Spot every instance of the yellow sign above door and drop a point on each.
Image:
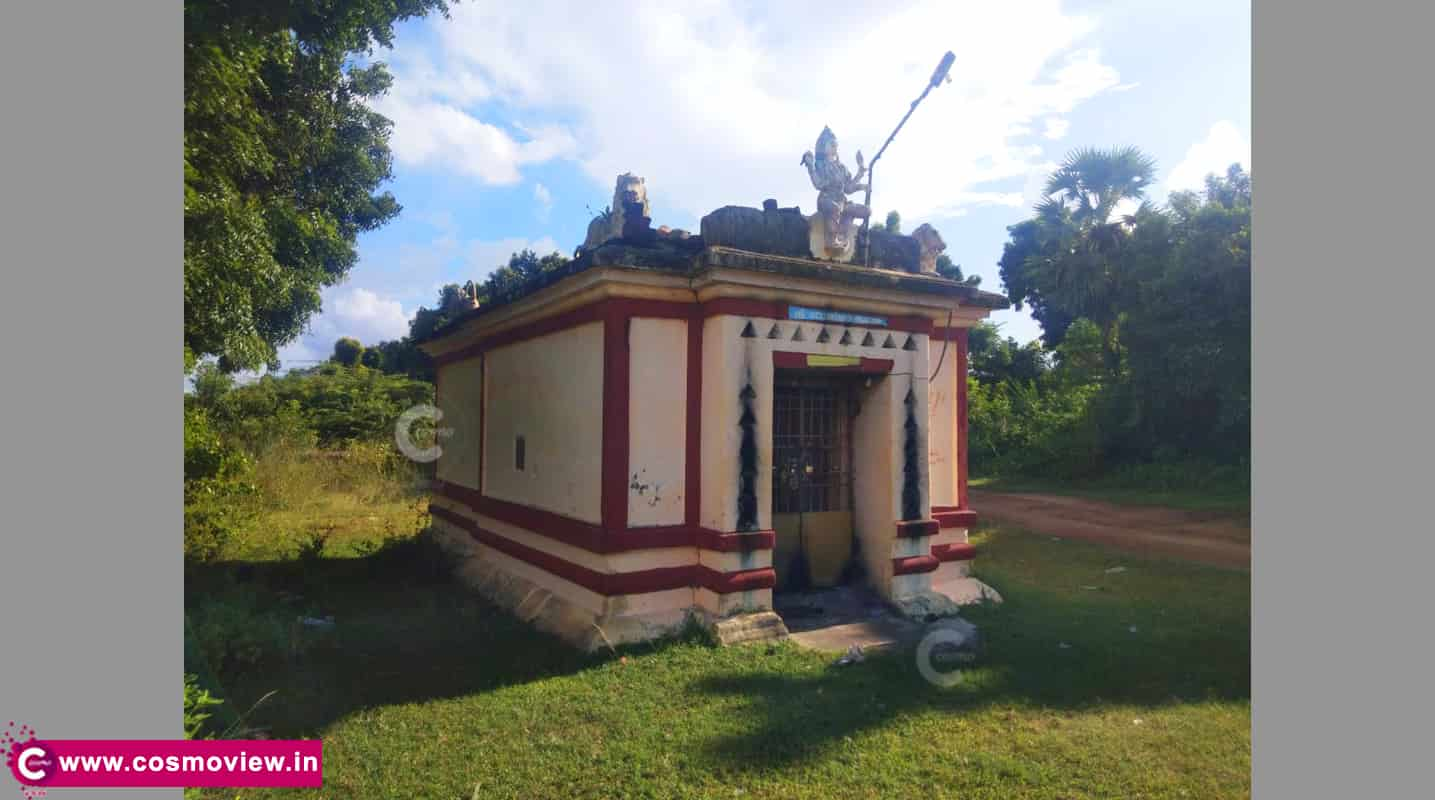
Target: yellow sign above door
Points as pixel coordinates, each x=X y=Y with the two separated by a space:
x=816 y=360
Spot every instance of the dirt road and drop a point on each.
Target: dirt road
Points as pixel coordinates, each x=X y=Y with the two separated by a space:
x=1208 y=537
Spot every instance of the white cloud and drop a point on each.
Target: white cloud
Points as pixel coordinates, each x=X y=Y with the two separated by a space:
x=303 y=352
x=361 y=313
x=429 y=133
x=367 y=316
x=544 y=198
x=1056 y=128
x=714 y=105
x=1223 y=146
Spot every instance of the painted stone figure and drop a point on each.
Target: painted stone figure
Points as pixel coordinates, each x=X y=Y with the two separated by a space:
x=931 y=245
x=610 y=224
x=833 y=183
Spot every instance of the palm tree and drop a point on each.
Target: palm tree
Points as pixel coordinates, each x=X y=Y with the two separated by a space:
x=1094 y=181
x=1077 y=263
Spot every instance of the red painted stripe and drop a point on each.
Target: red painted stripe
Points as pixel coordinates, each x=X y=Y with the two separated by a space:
x=545 y=523
x=914 y=565
x=593 y=312
x=743 y=307
x=591 y=537
x=649 y=308
x=961 y=376
x=956 y=551
x=917 y=527
x=956 y=518
x=787 y=360
x=782 y=359
x=616 y=583
x=601 y=310
x=742 y=581
x=614 y=504
x=604 y=583
x=693 y=450
x=910 y=324
x=647 y=538
x=649 y=580
x=709 y=539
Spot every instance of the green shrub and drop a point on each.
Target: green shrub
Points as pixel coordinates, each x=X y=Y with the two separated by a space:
x=236 y=634
x=330 y=404
x=198 y=703
x=218 y=488
x=1024 y=428
x=311 y=547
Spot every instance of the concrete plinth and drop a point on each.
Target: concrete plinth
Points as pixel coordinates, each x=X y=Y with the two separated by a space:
x=762 y=626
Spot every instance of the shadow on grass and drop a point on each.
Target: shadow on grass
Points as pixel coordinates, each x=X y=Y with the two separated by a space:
x=401 y=635
x=1058 y=649
x=1154 y=634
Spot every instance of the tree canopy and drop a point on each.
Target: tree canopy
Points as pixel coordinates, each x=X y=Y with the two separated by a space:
x=282 y=161
x=347 y=351
x=1146 y=317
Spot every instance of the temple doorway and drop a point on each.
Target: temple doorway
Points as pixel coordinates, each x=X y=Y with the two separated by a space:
x=812 y=481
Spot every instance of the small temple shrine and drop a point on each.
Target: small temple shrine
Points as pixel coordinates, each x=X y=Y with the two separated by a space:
x=682 y=424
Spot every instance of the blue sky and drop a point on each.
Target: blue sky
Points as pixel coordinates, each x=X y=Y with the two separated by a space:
x=511 y=122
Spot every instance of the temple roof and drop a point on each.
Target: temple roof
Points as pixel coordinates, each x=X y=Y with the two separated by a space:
x=692 y=256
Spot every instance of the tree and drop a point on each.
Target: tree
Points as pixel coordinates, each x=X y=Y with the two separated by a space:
x=997 y=360
x=525 y=271
x=1188 y=335
x=347 y=351
x=894 y=222
x=211 y=384
x=1078 y=357
x=1072 y=253
x=952 y=271
x=282 y=157
x=1024 y=244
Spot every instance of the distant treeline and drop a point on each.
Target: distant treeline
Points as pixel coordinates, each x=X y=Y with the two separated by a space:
x=402 y=356
x=1144 y=359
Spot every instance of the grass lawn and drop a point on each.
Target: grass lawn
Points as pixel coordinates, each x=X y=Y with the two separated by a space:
x=1094 y=684
x=1222 y=499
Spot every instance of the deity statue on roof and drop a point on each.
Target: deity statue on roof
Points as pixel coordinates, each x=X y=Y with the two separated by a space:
x=833 y=183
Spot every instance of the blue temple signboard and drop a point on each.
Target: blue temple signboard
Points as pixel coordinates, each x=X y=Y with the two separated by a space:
x=823 y=315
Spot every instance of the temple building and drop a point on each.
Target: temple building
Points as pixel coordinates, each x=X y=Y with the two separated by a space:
x=680 y=425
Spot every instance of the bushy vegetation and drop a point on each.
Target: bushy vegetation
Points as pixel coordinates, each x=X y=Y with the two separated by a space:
x=218 y=488
x=297 y=456
x=293 y=471
x=1143 y=368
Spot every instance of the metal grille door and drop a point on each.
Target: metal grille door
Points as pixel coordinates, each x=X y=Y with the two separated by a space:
x=808 y=458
